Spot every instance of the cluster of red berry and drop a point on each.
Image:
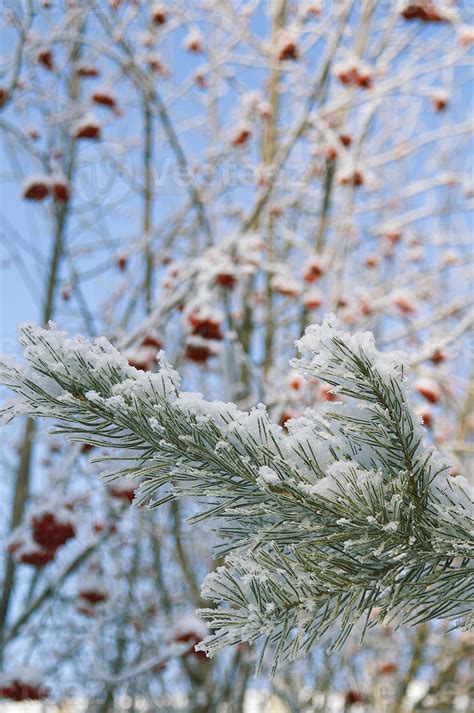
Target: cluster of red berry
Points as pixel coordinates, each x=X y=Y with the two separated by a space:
x=44 y=535
x=21 y=691
x=203 y=332
x=144 y=358
x=424 y=11
x=37 y=189
x=23 y=685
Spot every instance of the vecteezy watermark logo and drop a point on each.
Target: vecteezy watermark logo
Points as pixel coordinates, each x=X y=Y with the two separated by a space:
x=104 y=173
x=229 y=174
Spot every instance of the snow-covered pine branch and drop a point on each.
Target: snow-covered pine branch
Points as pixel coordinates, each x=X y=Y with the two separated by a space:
x=346 y=515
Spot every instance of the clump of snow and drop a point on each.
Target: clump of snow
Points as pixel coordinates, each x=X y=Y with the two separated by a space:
x=390 y=527
x=186 y=624
x=284 y=282
x=21 y=673
x=267 y=477
x=321 y=350
x=344 y=478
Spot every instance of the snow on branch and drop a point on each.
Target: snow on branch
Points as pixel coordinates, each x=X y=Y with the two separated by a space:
x=346 y=515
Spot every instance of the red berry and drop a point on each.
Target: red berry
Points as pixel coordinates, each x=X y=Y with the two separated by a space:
x=193 y=42
x=207 y=328
x=198 y=353
x=38 y=557
x=151 y=340
x=122 y=262
x=88 y=71
x=404 y=304
x=353 y=697
x=45 y=57
x=429 y=389
x=364 y=80
x=313 y=299
x=424 y=11
x=313 y=271
x=289 y=51
x=60 y=190
x=88 y=130
x=438 y=357
x=466 y=35
x=393 y=236
x=159 y=15
x=296 y=380
x=326 y=393
x=241 y=137
x=93 y=596
x=200 y=80
x=365 y=308
x=104 y=98
x=36 y=190
x=287 y=289
x=140 y=363
x=226 y=279
x=284 y=417
x=388 y=667
x=439 y=104
x=156 y=65
x=371 y=261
